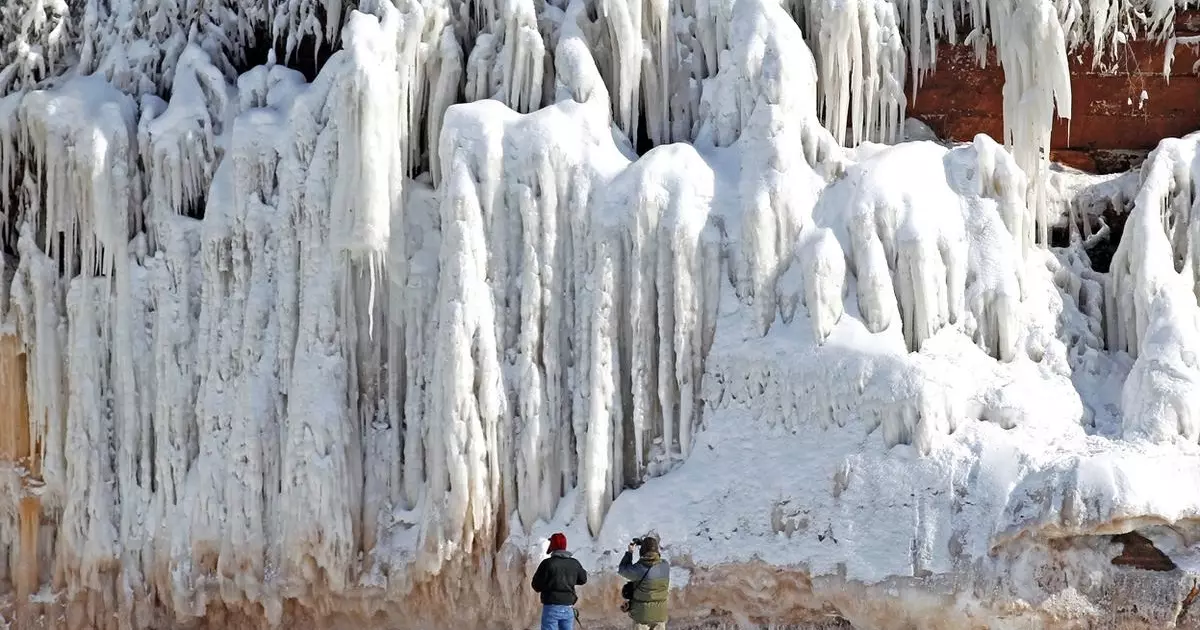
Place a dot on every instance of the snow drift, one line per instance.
(349, 345)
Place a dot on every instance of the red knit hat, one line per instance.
(558, 542)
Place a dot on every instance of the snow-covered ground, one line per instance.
(346, 348)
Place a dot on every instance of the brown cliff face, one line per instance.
(19, 473)
(1111, 126)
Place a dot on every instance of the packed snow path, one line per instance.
(289, 341)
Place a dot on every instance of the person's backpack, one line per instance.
(630, 588)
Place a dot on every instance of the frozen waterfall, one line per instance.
(301, 343)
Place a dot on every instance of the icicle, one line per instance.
(597, 461)
(824, 271)
(179, 142)
(368, 106)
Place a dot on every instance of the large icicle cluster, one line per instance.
(292, 341)
(918, 254)
(1154, 293)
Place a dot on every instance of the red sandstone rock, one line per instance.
(1081, 160)
(960, 99)
(1140, 553)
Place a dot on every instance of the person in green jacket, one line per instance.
(651, 575)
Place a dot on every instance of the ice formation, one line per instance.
(304, 342)
(1155, 292)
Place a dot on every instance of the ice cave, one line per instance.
(327, 313)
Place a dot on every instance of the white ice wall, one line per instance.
(404, 329)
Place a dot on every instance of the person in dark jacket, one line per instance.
(556, 578)
(652, 577)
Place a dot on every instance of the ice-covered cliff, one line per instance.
(310, 347)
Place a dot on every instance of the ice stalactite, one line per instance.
(655, 57)
(175, 277)
(677, 230)
(288, 377)
(996, 284)
(862, 61)
(367, 101)
(16, 188)
(662, 84)
(576, 74)
(295, 21)
(89, 532)
(946, 265)
(348, 152)
(862, 68)
(779, 189)
(600, 475)
(625, 38)
(414, 270)
(522, 58)
(115, 40)
(321, 436)
(240, 407)
(1037, 82)
(178, 140)
(916, 260)
(464, 500)
(38, 300)
(824, 267)
(1161, 396)
(82, 145)
(595, 412)
(37, 35)
(93, 192)
(367, 191)
(778, 184)
(882, 237)
(509, 57)
(533, 200)
(670, 258)
(433, 85)
(1152, 312)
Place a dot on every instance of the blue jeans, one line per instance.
(558, 617)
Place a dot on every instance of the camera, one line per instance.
(637, 541)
